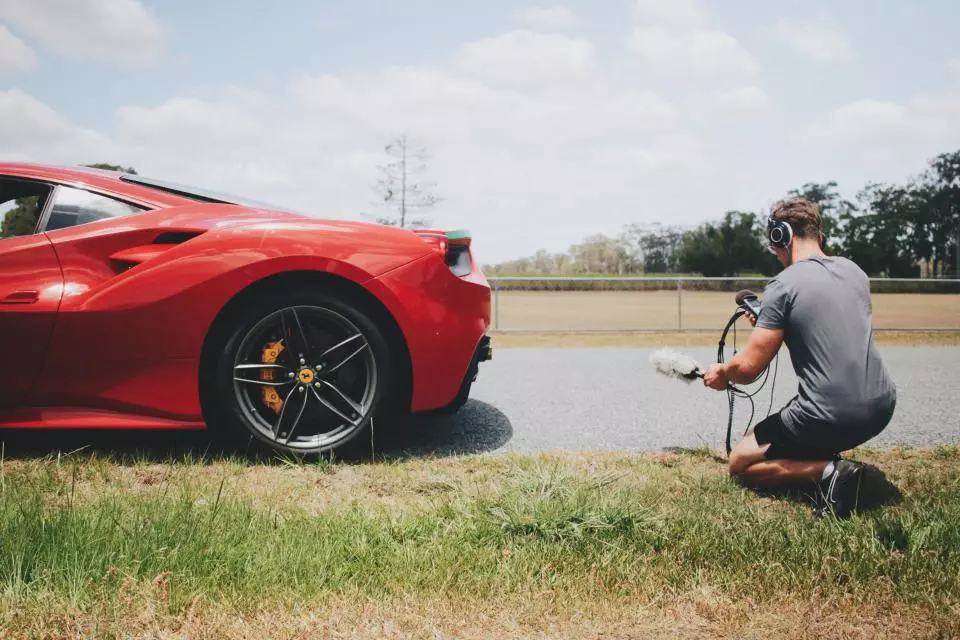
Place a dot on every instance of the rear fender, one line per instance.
(113, 335)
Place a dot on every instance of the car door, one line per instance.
(84, 366)
(31, 286)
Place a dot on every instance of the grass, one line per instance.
(558, 545)
(658, 310)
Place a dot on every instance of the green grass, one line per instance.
(88, 535)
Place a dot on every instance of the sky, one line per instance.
(544, 123)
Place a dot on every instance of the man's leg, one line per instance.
(771, 456)
(749, 465)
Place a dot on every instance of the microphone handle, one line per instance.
(752, 305)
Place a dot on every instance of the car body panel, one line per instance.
(442, 336)
(31, 285)
(140, 293)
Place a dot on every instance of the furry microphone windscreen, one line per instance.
(676, 365)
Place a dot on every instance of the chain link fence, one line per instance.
(689, 303)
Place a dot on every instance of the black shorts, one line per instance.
(785, 445)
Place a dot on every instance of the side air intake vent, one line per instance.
(175, 237)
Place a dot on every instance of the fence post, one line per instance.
(496, 305)
(680, 305)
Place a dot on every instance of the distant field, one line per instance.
(652, 310)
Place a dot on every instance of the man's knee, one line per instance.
(738, 463)
(746, 452)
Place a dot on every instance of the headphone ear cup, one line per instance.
(780, 234)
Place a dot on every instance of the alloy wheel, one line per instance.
(305, 377)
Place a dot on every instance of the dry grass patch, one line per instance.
(414, 484)
(659, 310)
(702, 613)
(321, 487)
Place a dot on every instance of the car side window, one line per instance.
(72, 207)
(21, 205)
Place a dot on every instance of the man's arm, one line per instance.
(749, 363)
(758, 354)
(763, 345)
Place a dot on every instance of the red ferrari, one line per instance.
(127, 302)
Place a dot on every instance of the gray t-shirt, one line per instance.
(823, 305)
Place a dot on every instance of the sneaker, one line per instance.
(841, 491)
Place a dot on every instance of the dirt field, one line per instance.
(652, 310)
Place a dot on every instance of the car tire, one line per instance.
(237, 415)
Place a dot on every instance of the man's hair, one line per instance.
(802, 215)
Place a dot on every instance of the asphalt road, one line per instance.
(532, 400)
(535, 400)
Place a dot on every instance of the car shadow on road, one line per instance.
(477, 428)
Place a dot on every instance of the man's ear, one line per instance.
(823, 240)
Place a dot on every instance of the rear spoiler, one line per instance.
(460, 237)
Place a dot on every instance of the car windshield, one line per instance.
(201, 195)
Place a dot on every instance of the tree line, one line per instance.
(889, 230)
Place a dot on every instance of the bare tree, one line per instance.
(400, 188)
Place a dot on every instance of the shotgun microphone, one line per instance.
(748, 301)
(674, 364)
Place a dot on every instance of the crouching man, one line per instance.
(820, 307)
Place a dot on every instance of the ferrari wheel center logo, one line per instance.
(306, 375)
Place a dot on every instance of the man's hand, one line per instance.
(716, 377)
(752, 318)
(747, 365)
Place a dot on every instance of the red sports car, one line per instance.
(127, 302)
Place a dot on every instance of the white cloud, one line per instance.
(745, 99)
(28, 128)
(705, 56)
(524, 131)
(15, 55)
(820, 40)
(677, 14)
(548, 18)
(895, 135)
(750, 98)
(954, 63)
(24, 119)
(863, 123)
(123, 31)
(525, 59)
(188, 118)
(675, 41)
(533, 143)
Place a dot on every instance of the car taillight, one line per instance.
(456, 249)
(458, 259)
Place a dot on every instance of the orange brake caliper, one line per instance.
(271, 351)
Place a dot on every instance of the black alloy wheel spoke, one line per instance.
(348, 346)
(356, 408)
(333, 409)
(293, 407)
(284, 374)
(294, 336)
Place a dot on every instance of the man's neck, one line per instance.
(803, 249)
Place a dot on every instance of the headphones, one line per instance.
(779, 233)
